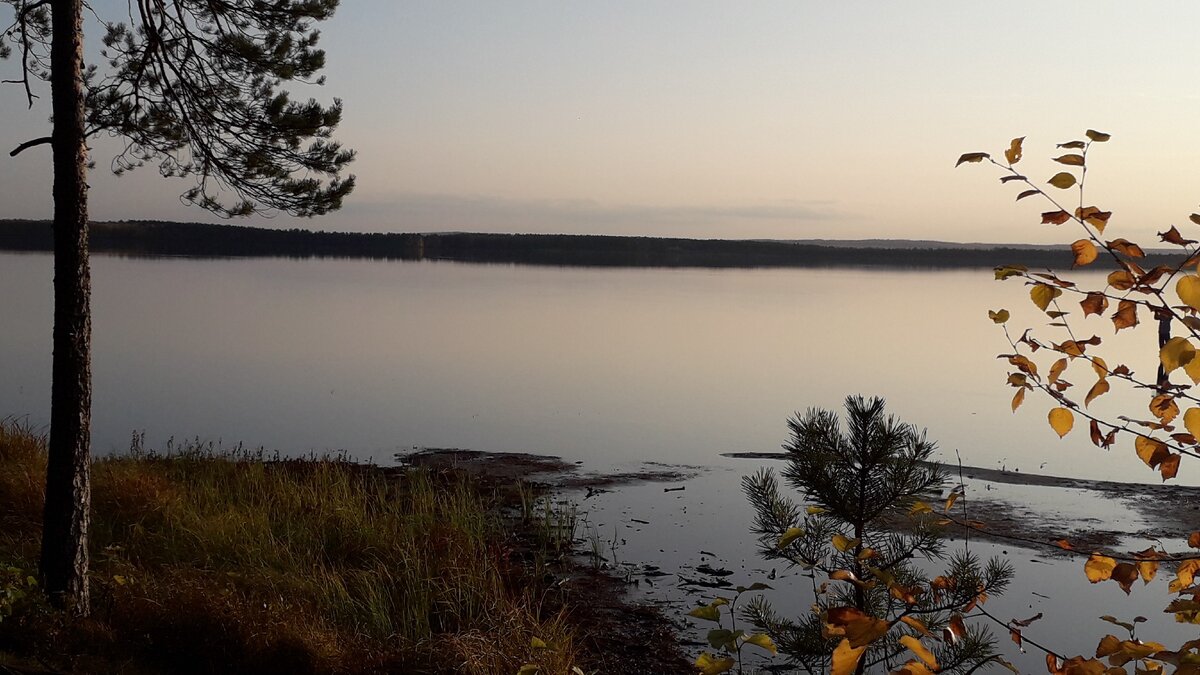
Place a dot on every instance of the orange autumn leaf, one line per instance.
(1018, 399)
(845, 658)
(1085, 253)
(1164, 408)
(1013, 153)
(1094, 303)
(1099, 568)
(1125, 574)
(1151, 450)
(1056, 369)
(922, 652)
(917, 625)
(1126, 315)
(1127, 247)
(1184, 575)
(1099, 389)
(1061, 420)
(1172, 236)
(1169, 466)
(1121, 280)
(1054, 217)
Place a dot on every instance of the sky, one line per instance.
(785, 120)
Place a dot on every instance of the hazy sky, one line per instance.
(719, 119)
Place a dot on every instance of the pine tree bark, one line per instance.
(64, 559)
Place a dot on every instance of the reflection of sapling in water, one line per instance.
(863, 529)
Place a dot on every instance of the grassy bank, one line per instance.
(204, 564)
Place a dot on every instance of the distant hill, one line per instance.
(154, 238)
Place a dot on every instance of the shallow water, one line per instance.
(707, 523)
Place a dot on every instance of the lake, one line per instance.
(606, 365)
(609, 367)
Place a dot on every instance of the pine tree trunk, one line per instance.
(64, 560)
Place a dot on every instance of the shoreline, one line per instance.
(1174, 508)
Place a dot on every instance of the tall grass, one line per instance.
(205, 562)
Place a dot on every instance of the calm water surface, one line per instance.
(606, 365)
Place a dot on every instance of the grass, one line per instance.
(205, 563)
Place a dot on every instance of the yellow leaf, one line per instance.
(1164, 408)
(1184, 575)
(762, 640)
(1043, 294)
(999, 316)
(845, 658)
(1109, 644)
(1018, 398)
(1093, 216)
(1007, 271)
(1151, 450)
(1121, 280)
(1061, 421)
(814, 510)
(917, 625)
(1056, 369)
(1191, 420)
(711, 664)
(707, 612)
(537, 643)
(843, 543)
(920, 507)
(1192, 368)
(791, 535)
(1085, 252)
(1099, 389)
(951, 499)
(1062, 180)
(1013, 154)
(1176, 353)
(1099, 568)
(914, 645)
(1147, 568)
(1098, 136)
(1100, 367)
(1188, 290)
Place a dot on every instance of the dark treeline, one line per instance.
(146, 238)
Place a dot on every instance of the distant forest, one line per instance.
(147, 238)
